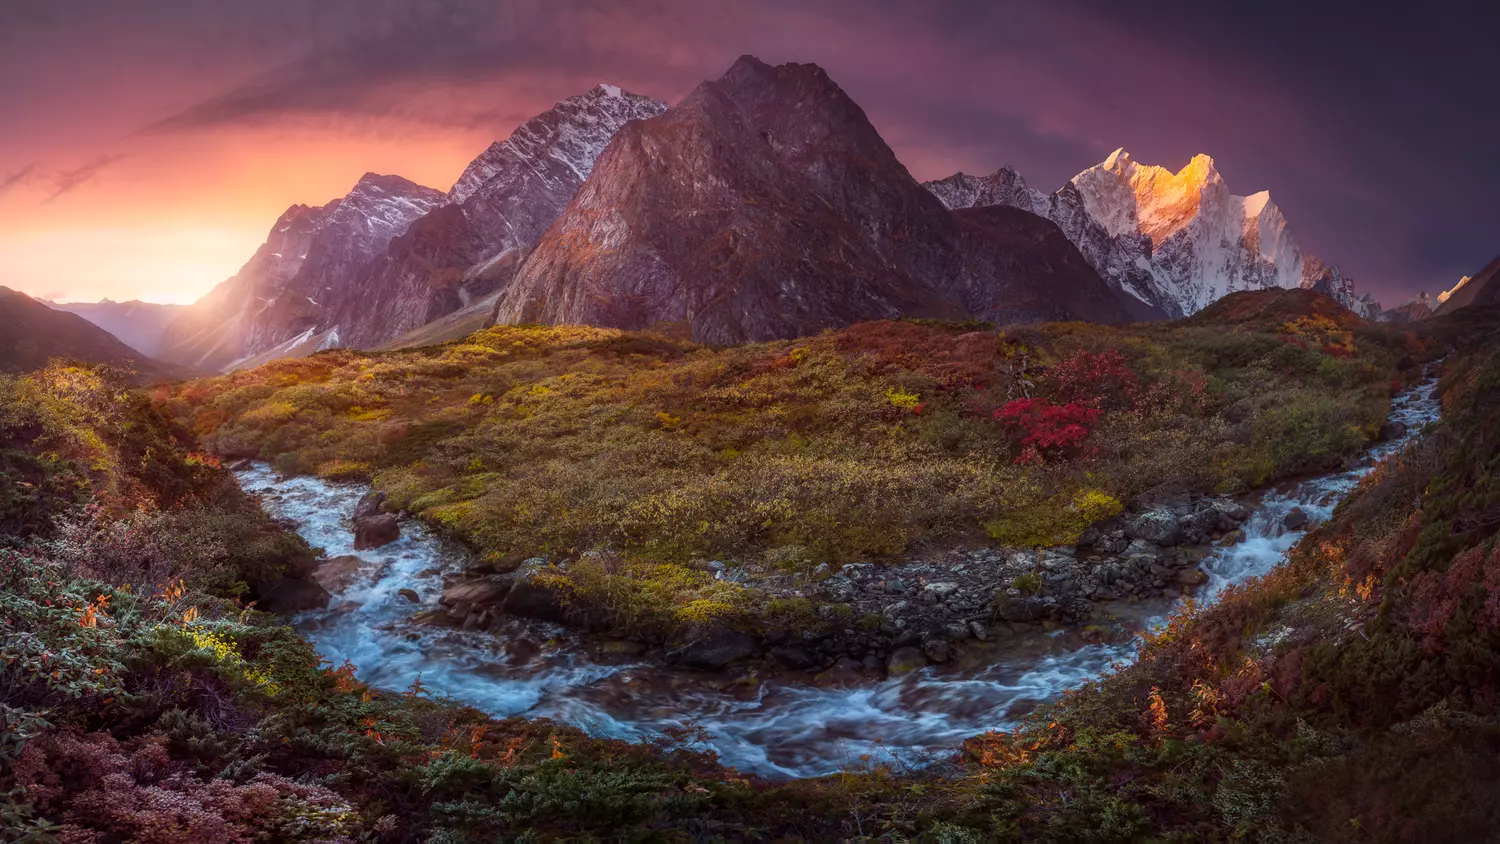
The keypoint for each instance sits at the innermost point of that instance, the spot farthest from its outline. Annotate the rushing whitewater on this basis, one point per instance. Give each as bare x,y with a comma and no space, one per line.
774,728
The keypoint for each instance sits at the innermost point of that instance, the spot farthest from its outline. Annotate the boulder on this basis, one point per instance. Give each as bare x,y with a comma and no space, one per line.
839,589
1392,430
938,592
337,574
1013,608
1192,577
936,649
532,600
375,531
1295,520
1233,537
410,595
369,504
793,657
713,650
476,592
294,595
904,661
1158,527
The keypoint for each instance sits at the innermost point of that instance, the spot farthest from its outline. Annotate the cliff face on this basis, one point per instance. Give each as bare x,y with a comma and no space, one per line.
766,205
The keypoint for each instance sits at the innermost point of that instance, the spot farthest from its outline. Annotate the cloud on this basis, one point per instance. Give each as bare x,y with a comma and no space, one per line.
67,181
15,180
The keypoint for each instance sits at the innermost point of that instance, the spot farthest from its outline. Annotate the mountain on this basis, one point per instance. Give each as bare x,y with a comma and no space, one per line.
31,333
765,205
1330,280
392,255
1178,241
464,251
283,291
1478,289
139,325
1415,309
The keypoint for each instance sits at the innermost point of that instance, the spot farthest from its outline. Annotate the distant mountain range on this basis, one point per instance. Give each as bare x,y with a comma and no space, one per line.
764,205
32,333
139,325
1177,241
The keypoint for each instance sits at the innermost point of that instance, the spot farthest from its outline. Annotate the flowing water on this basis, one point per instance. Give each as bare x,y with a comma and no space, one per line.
778,727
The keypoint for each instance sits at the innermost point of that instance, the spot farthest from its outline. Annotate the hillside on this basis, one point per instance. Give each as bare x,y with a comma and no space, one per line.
31,334
139,325
551,442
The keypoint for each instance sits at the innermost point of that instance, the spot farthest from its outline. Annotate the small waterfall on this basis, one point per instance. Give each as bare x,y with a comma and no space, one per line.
774,728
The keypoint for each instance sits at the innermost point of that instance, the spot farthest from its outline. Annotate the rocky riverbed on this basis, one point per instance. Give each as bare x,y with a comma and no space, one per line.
941,649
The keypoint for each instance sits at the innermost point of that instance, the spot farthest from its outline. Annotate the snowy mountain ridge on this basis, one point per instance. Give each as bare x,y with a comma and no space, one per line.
1179,241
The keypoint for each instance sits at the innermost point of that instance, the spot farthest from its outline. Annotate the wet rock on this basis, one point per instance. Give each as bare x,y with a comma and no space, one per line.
712,650
464,595
1196,527
793,657
369,504
1295,520
904,661
375,531
1233,510
845,672
937,649
294,595
619,647
410,595
1192,577
1233,537
1392,430
1158,526
238,465
529,599
337,574
520,651
1013,608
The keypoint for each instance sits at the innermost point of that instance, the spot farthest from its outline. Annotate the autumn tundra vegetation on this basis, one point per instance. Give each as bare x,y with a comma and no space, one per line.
1348,696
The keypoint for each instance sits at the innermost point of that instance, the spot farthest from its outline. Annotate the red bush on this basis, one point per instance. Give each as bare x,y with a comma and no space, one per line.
1096,379
1044,428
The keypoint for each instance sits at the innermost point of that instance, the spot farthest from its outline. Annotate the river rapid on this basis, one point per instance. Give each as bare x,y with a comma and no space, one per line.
778,727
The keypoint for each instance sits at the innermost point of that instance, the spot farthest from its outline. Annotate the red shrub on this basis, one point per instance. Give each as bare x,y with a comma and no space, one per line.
1045,429
1096,379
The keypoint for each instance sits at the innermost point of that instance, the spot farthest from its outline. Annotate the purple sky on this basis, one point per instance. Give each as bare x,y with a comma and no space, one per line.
147,146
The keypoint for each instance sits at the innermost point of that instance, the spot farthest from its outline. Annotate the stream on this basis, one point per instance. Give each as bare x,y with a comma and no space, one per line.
780,727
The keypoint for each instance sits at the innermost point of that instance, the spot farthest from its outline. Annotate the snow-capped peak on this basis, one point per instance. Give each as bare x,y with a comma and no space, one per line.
1177,239
572,133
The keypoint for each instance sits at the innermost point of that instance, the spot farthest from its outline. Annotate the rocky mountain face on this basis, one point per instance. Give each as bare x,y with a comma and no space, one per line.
1178,241
506,198
139,325
765,205
1328,279
284,289
31,334
1478,289
1415,309
392,255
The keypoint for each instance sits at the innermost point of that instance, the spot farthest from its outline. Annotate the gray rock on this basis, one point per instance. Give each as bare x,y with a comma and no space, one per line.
936,649
1022,608
904,661
840,589
1232,509
978,631
1192,577
858,572
1392,430
712,650
940,591
529,599
1158,526
793,657
369,504
1295,520
957,631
